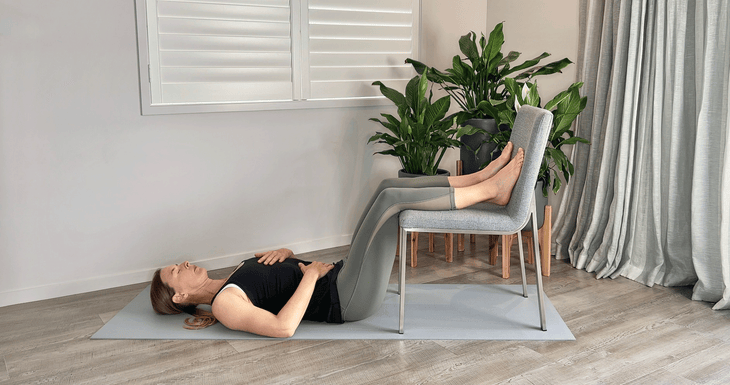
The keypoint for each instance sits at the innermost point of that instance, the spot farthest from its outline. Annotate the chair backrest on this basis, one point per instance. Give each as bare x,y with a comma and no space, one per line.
530,132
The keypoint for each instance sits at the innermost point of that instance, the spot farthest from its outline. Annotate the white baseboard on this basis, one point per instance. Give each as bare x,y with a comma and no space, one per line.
56,290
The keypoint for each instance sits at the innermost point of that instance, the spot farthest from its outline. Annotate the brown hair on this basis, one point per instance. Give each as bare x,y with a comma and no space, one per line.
161,297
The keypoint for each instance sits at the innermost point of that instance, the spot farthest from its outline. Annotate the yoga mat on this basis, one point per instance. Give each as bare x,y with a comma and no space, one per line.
433,312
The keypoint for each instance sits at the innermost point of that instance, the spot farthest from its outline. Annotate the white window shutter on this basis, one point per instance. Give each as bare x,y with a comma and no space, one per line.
353,43
219,51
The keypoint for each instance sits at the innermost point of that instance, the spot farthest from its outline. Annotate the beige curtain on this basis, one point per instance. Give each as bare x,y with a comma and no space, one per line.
650,199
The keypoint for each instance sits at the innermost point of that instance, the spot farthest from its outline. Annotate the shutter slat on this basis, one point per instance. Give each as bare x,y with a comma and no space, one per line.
318,16
351,45
225,75
222,11
222,27
359,31
366,73
225,59
357,59
193,93
351,89
223,43
269,3
401,6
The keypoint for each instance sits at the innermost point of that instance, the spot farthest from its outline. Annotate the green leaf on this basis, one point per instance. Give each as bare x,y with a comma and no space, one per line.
412,97
390,126
533,97
486,107
494,46
557,99
511,56
417,65
468,46
527,64
572,140
437,110
553,67
396,97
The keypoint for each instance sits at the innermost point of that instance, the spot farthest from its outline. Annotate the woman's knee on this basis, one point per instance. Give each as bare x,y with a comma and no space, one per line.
388,183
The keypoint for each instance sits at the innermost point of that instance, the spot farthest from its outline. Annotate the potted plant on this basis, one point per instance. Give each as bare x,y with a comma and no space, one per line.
477,84
421,133
565,108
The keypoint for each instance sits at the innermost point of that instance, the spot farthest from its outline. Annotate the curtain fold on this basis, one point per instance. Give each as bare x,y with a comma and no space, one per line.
650,196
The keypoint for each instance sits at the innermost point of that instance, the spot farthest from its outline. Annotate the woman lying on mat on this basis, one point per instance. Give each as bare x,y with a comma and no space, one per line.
270,296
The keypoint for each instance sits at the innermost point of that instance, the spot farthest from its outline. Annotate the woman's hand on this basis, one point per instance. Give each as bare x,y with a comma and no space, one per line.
317,267
271,257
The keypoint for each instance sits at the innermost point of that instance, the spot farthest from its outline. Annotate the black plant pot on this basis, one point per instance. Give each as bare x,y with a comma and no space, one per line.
403,174
472,161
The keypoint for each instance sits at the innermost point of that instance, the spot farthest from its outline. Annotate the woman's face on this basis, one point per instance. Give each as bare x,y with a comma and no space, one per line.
184,278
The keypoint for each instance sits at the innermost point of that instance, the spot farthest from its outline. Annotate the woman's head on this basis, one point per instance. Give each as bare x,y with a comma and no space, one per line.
170,291
185,279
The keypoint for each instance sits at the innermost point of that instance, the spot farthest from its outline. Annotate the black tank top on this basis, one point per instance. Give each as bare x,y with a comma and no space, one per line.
270,287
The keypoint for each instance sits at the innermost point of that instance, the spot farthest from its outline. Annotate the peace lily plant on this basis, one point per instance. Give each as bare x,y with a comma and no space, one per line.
485,85
477,81
421,132
565,108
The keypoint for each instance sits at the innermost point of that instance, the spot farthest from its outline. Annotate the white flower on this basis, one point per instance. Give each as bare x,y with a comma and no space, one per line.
525,91
517,105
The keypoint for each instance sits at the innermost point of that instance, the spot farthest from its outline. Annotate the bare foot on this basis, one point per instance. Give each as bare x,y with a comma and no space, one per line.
494,166
504,181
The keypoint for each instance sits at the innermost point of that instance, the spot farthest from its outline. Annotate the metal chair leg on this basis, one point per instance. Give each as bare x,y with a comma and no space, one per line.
402,279
538,269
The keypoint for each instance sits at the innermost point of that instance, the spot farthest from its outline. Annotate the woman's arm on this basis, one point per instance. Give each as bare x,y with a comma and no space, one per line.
234,310
271,257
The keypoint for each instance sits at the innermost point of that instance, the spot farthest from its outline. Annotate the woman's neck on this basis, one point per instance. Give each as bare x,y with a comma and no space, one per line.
207,291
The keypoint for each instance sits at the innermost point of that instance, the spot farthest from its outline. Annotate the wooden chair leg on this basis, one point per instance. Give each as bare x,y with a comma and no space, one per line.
543,238
506,254
414,249
527,237
449,241
430,242
473,238
493,249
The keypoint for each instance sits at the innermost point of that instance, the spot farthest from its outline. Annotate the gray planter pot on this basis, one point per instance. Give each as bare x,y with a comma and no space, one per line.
403,174
471,161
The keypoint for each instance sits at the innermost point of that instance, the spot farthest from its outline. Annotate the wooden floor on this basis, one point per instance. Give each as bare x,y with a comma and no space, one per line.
626,334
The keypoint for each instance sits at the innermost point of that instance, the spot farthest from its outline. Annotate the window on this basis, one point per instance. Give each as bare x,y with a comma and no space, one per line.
223,55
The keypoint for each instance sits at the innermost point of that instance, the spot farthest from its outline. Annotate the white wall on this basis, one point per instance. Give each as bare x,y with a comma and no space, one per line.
93,195
532,27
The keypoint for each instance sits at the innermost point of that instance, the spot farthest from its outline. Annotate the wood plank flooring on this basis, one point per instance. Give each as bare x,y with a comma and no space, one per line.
626,334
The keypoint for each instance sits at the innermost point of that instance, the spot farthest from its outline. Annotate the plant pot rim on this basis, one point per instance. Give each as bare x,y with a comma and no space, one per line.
403,174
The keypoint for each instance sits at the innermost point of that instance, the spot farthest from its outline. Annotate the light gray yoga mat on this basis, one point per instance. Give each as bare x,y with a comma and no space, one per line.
433,312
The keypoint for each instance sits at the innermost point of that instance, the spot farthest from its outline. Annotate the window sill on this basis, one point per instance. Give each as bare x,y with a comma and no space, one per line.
168,109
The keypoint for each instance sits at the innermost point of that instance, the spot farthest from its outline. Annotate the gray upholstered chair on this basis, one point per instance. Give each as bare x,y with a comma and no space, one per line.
530,132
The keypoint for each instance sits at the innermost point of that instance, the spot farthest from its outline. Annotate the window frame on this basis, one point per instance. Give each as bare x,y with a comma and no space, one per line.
299,27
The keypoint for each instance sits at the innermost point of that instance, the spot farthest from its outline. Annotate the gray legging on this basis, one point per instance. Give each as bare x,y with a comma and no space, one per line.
363,279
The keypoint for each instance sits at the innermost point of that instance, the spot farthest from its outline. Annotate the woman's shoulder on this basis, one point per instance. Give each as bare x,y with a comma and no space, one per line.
230,294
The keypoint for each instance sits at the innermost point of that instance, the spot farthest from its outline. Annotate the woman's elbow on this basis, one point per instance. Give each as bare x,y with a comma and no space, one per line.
285,332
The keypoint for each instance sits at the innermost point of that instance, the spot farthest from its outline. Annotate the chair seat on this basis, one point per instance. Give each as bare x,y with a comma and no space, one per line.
475,218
